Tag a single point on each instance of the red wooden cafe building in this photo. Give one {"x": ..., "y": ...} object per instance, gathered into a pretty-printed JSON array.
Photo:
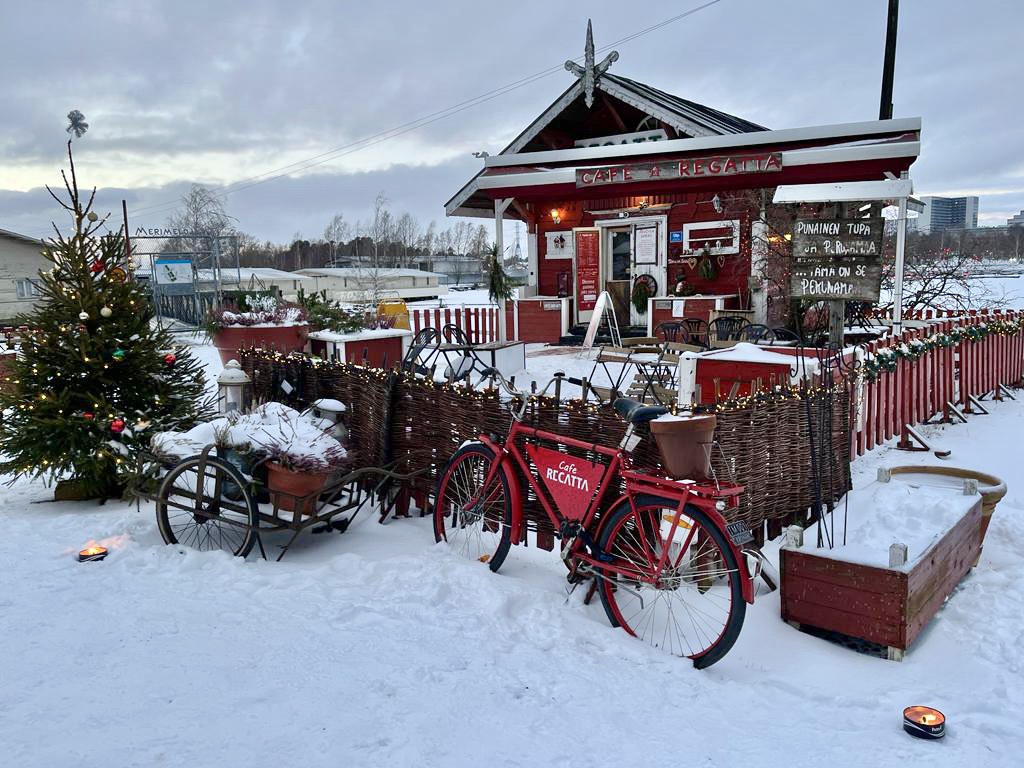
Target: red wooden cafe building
[{"x": 619, "y": 182}]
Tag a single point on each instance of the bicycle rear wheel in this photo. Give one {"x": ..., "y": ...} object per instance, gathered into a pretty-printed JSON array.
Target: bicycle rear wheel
[
  {"x": 475, "y": 521},
  {"x": 694, "y": 607}
]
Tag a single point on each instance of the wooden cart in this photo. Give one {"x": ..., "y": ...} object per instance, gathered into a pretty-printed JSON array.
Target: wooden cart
[{"x": 207, "y": 503}]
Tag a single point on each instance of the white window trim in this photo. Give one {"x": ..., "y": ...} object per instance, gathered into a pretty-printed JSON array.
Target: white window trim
[
  {"x": 697, "y": 243},
  {"x": 26, "y": 289}
]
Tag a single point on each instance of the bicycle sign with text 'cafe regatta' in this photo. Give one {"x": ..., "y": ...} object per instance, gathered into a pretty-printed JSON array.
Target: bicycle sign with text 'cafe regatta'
[{"x": 570, "y": 481}]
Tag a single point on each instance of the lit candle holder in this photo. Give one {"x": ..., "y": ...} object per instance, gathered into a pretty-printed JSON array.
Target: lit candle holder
[
  {"x": 92, "y": 553},
  {"x": 924, "y": 722}
]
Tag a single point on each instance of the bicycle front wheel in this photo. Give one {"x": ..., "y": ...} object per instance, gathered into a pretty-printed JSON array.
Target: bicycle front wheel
[
  {"x": 474, "y": 520},
  {"x": 693, "y": 605}
]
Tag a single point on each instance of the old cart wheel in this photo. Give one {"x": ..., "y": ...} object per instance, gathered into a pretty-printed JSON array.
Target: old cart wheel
[
  {"x": 475, "y": 521},
  {"x": 694, "y": 607},
  {"x": 208, "y": 510}
]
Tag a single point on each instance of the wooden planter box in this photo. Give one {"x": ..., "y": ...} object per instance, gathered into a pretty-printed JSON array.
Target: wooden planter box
[
  {"x": 374, "y": 349},
  {"x": 888, "y": 606},
  {"x": 283, "y": 338}
]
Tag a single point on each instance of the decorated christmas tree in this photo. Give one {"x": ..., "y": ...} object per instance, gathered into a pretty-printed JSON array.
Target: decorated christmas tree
[{"x": 95, "y": 379}]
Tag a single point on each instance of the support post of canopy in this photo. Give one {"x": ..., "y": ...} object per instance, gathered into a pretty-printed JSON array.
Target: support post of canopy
[
  {"x": 901, "y": 243},
  {"x": 500, "y": 206}
]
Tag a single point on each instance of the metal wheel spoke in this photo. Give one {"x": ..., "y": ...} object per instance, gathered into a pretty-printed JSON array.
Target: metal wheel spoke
[
  {"x": 686, "y": 607},
  {"x": 472, "y": 518},
  {"x": 193, "y": 510}
]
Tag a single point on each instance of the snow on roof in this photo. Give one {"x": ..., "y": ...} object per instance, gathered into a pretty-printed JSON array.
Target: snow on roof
[
  {"x": 231, "y": 275},
  {"x": 365, "y": 272},
  {"x": 16, "y": 236},
  {"x": 270, "y": 272}
]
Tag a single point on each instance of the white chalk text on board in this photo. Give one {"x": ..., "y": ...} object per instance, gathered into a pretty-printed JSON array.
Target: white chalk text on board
[{"x": 837, "y": 259}]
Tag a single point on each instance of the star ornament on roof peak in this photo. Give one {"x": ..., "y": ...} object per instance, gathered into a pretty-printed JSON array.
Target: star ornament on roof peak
[{"x": 590, "y": 72}]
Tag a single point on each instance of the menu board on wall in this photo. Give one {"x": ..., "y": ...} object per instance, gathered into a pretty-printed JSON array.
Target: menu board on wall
[
  {"x": 645, "y": 248},
  {"x": 588, "y": 268}
]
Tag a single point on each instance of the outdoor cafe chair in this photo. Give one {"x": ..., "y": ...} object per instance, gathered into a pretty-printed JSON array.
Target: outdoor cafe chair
[
  {"x": 785, "y": 337},
  {"x": 422, "y": 352},
  {"x": 695, "y": 331},
  {"x": 669, "y": 331},
  {"x": 725, "y": 331},
  {"x": 755, "y": 333}
]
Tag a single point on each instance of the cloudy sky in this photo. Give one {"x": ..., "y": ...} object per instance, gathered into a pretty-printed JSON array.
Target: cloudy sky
[{"x": 276, "y": 92}]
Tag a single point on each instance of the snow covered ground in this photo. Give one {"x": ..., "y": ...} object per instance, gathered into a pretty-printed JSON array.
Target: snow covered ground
[{"x": 379, "y": 647}]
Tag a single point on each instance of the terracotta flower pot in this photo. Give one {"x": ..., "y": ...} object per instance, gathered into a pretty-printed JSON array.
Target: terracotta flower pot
[
  {"x": 285, "y": 486},
  {"x": 685, "y": 445},
  {"x": 284, "y": 338}
]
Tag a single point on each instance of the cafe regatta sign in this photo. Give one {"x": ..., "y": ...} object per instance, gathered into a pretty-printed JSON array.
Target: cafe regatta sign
[{"x": 688, "y": 168}]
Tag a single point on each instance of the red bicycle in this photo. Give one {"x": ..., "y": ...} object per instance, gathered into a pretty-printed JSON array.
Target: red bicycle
[{"x": 668, "y": 567}]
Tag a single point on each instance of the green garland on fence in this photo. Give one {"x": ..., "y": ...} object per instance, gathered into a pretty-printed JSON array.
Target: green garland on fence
[{"x": 887, "y": 360}]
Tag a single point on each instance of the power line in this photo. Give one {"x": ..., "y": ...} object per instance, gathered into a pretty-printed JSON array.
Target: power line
[{"x": 386, "y": 135}]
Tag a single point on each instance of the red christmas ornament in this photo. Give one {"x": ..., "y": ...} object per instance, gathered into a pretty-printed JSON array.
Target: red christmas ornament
[
  {"x": 88, "y": 415},
  {"x": 97, "y": 266},
  {"x": 170, "y": 359},
  {"x": 117, "y": 425}
]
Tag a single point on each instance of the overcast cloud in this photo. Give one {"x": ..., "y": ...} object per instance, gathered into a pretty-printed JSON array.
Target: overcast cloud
[{"x": 215, "y": 92}]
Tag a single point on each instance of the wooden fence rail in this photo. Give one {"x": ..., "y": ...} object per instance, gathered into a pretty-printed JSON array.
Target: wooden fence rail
[
  {"x": 479, "y": 322},
  {"x": 943, "y": 363}
]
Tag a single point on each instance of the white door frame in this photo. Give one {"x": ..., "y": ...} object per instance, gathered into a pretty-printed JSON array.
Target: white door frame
[{"x": 659, "y": 270}]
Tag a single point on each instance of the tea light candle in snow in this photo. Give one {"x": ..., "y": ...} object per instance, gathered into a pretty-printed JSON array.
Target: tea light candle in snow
[
  {"x": 94, "y": 552},
  {"x": 924, "y": 722}
]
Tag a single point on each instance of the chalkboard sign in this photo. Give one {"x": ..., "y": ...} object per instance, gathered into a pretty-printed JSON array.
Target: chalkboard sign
[{"x": 837, "y": 259}]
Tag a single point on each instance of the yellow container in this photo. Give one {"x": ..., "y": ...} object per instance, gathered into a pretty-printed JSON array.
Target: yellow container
[{"x": 395, "y": 308}]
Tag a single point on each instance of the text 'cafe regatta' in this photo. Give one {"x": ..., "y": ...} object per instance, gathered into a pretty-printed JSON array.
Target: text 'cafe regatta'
[{"x": 657, "y": 200}]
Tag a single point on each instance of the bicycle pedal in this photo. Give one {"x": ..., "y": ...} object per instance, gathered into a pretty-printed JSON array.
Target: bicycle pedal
[
  {"x": 340, "y": 525},
  {"x": 325, "y": 528}
]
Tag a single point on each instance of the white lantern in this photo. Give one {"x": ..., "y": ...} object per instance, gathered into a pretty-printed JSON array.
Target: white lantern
[
  {"x": 234, "y": 389},
  {"x": 332, "y": 411}
]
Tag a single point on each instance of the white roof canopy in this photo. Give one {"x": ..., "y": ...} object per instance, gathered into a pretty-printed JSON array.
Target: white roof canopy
[{"x": 844, "y": 192}]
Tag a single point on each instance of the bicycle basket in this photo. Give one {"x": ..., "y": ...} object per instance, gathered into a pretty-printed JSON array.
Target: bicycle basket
[{"x": 685, "y": 444}]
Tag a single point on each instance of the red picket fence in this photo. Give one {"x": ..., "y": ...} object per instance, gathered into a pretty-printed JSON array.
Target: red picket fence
[
  {"x": 479, "y": 322},
  {"x": 922, "y": 389}
]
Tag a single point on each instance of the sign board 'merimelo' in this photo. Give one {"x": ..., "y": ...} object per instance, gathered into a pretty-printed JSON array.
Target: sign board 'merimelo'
[{"x": 837, "y": 259}]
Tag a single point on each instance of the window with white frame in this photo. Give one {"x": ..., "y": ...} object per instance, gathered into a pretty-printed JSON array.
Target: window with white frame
[
  {"x": 720, "y": 237},
  {"x": 26, "y": 288}
]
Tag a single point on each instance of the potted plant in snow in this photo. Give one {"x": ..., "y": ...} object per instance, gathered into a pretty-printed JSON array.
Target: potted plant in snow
[
  {"x": 295, "y": 477},
  {"x": 258, "y": 320}
]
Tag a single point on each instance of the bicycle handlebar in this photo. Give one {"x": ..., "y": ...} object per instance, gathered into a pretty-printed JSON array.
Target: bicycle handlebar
[{"x": 522, "y": 394}]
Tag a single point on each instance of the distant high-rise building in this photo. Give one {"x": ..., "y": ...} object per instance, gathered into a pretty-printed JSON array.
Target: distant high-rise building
[
  {"x": 1016, "y": 221},
  {"x": 942, "y": 213}
]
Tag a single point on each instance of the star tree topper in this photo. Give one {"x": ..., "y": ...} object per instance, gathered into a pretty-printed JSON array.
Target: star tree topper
[{"x": 590, "y": 72}]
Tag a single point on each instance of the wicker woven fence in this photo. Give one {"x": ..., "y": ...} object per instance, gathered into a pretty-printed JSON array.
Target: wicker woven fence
[{"x": 766, "y": 441}]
